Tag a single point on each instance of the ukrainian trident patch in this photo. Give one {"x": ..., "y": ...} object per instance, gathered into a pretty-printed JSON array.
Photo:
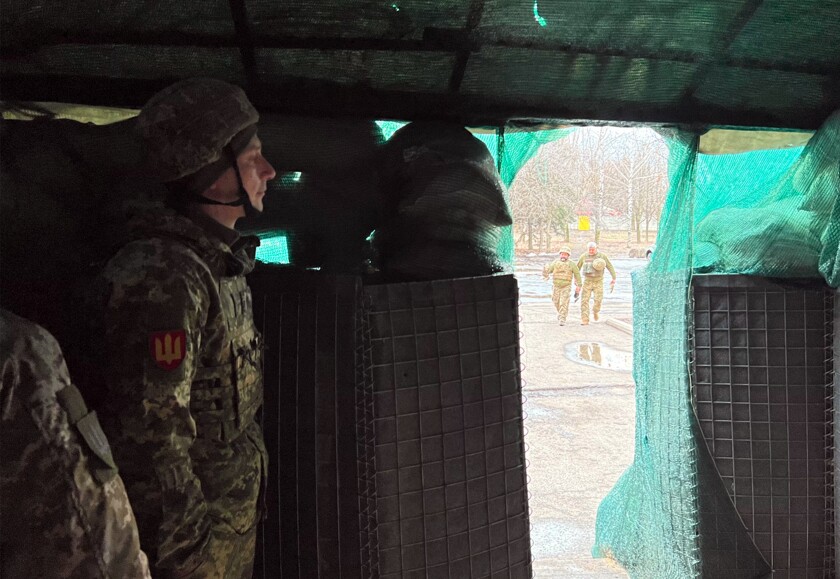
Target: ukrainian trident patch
[{"x": 168, "y": 349}]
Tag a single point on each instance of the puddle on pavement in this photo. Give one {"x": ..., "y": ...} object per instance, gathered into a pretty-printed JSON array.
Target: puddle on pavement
[{"x": 599, "y": 355}]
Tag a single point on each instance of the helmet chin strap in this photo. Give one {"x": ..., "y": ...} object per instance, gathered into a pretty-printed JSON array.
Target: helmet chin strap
[
  {"x": 243, "y": 201},
  {"x": 195, "y": 198}
]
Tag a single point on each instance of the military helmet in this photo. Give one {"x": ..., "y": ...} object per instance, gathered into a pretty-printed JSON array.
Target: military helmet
[
  {"x": 187, "y": 125},
  {"x": 565, "y": 249},
  {"x": 599, "y": 264}
]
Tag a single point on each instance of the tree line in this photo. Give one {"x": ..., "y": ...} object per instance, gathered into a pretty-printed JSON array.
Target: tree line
[{"x": 611, "y": 174}]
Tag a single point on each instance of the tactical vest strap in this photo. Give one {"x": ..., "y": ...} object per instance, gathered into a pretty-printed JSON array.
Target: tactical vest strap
[
  {"x": 224, "y": 399},
  {"x": 221, "y": 372},
  {"x": 71, "y": 400},
  {"x": 87, "y": 424}
]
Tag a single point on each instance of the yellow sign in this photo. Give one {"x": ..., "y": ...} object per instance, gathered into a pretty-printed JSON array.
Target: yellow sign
[{"x": 583, "y": 222}]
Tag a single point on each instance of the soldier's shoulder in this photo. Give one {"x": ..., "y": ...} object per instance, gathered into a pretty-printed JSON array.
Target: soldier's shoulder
[
  {"x": 155, "y": 256},
  {"x": 27, "y": 345},
  {"x": 23, "y": 337}
]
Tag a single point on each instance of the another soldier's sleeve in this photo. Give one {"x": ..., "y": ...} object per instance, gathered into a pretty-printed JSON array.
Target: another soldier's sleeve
[
  {"x": 610, "y": 267},
  {"x": 69, "y": 509},
  {"x": 576, "y": 272},
  {"x": 580, "y": 261},
  {"x": 548, "y": 269},
  {"x": 153, "y": 325}
]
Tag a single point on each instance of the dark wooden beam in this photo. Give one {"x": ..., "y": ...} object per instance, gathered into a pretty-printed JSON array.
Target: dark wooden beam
[
  {"x": 463, "y": 56},
  {"x": 244, "y": 39},
  {"x": 192, "y": 40},
  {"x": 452, "y": 40},
  {"x": 721, "y": 48},
  {"x": 510, "y": 37},
  {"x": 326, "y": 99}
]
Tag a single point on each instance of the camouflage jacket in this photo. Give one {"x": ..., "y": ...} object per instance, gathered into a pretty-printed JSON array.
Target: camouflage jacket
[
  {"x": 183, "y": 366},
  {"x": 63, "y": 508},
  {"x": 585, "y": 265},
  {"x": 563, "y": 272}
]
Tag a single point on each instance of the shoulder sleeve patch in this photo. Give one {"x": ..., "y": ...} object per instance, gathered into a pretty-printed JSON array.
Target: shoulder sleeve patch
[{"x": 168, "y": 349}]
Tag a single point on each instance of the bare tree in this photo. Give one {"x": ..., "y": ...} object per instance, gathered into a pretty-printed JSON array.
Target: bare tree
[
  {"x": 605, "y": 170},
  {"x": 545, "y": 194},
  {"x": 638, "y": 172}
]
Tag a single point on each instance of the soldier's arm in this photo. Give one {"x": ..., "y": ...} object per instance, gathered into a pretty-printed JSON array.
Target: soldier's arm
[
  {"x": 547, "y": 269},
  {"x": 156, "y": 429},
  {"x": 610, "y": 267},
  {"x": 62, "y": 479},
  {"x": 576, "y": 272},
  {"x": 580, "y": 261}
]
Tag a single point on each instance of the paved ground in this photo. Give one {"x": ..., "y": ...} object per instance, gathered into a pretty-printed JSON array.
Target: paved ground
[{"x": 579, "y": 419}]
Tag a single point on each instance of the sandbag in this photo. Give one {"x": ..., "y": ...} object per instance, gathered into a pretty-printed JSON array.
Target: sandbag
[
  {"x": 445, "y": 204},
  {"x": 777, "y": 240}
]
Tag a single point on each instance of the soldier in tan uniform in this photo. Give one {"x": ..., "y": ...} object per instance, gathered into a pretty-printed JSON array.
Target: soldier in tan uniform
[
  {"x": 63, "y": 507},
  {"x": 183, "y": 356},
  {"x": 592, "y": 265},
  {"x": 563, "y": 270}
]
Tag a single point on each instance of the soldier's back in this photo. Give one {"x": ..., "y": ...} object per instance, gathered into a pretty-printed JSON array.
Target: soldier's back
[{"x": 64, "y": 509}]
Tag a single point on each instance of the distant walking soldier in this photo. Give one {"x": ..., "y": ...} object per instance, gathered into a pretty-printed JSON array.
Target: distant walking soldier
[
  {"x": 592, "y": 265},
  {"x": 63, "y": 507},
  {"x": 563, "y": 270}
]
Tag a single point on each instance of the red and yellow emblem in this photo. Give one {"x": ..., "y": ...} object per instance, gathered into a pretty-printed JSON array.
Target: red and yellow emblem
[{"x": 168, "y": 348}]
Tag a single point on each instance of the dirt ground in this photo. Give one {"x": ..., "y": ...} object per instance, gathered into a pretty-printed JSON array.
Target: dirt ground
[{"x": 580, "y": 410}]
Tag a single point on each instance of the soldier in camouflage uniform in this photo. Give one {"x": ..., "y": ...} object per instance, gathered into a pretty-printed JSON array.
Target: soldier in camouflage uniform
[
  {"x": 563, "y": 271},
  {"x": 592, "y": 265},
  {"x": 183, "y": 356},
  {"x": 63, "y": 507}
]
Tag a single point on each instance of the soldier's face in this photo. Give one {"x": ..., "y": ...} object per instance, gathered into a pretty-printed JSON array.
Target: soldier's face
[
  {"x": 564, "y": 256},
  {"x": 256, "y": 172},
  {"x": 593, "y": 250}
]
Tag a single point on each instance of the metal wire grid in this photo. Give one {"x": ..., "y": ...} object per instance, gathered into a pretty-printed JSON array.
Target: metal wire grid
[
  {"x": 451, "y": 489},
  {"x": 830, "y": 426},
  {"x": 726, "y": 545},
  {"x": 762, "y": 400},
  {"x": 365, "y": 441},
  {"x": 310, "y": 323}
]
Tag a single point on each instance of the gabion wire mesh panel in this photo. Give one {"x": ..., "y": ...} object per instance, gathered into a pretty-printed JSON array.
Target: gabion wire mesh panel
[
  {"x": 835, "y": 369},
  {"x": 365, "y": 444},
  {"x": 317, "y": 424},
  {"x": 450, "y": 483},
  {"x": 763, "y": 398}
]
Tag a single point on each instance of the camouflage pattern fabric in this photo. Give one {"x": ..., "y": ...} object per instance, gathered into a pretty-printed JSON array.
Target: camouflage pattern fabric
[
  {"x": 563, "y": 272},
  {"x": 560, "y": 296},
  {"x": 229, "y": 555},
  {"x": 184, "y": 373},
  {"x": 186, "y": 126},
  {"x": 592, "y": 286},
  {"x": 585, "y": 265},
  {"x": 62, "y": 516},
  {"x": 593, "y": 283}
]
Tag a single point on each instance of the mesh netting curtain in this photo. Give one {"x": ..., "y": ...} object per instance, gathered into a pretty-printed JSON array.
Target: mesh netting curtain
[
  {"x": 771, "y": 213},
  {"x": 511, "y": 151},
  {"x": 767, "y": 213},
  {"x": 647, "y": 522}
]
